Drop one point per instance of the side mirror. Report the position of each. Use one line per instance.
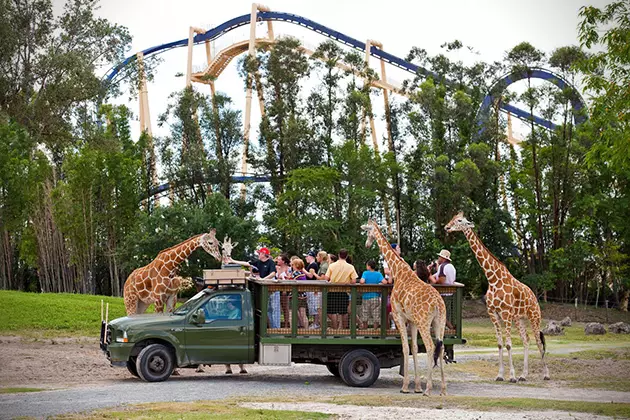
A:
(198, 317)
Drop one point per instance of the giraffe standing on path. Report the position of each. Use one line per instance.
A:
(415, 302)
(507, 300)
(157, 281)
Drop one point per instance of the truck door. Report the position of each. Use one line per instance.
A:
(224, 336)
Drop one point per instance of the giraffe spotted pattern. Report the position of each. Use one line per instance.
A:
(507, 301)
(418, 304)
(157, 282)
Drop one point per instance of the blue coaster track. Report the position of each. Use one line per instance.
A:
(576, 100)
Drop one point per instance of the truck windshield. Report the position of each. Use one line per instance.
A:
(189, 304)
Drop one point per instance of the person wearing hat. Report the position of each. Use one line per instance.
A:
(445, 275)
(266, 269)
(263, 266)
(446, 272)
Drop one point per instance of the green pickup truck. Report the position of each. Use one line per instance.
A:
(236, 320)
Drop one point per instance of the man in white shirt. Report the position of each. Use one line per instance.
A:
(445, 274)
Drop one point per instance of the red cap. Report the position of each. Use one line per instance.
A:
(264, 250)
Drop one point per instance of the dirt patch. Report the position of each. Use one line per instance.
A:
(60, 363)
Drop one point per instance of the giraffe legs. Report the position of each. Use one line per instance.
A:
(541, 347)
(141, 306)
(507, 321)
(131, 303)
(414, 353)
(425, 334)
(402, 328)
(497, 329)
(171, 300)
(439, 325)
(523, 331)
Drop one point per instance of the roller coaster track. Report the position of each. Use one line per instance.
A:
(222, 29)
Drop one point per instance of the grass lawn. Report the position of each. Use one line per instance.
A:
(54, 314)
(17, 390)
(479, 332)
(195, 410)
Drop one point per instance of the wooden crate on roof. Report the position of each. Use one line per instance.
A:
(225, 276)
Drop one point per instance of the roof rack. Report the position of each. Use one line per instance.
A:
(228, 276)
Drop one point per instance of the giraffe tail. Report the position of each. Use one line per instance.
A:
(437, 351)
(542, 340)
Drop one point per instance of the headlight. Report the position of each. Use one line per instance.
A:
(122, 339)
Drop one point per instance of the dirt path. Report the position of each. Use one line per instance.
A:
(80, 378)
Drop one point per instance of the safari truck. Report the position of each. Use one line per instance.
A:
(238, 319)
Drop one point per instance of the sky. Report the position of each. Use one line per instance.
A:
(491, 27)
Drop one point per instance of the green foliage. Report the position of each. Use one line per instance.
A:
(168, 226)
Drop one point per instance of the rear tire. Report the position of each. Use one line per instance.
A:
(359, 368)
(155, 363)
(333, 368)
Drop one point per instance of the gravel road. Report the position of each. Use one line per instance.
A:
(262, 381)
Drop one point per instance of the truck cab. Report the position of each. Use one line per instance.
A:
(212, 327)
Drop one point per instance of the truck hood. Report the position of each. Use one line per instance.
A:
(147, 321)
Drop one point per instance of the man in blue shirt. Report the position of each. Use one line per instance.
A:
(371, 307)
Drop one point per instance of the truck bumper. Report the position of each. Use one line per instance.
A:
(119, 352)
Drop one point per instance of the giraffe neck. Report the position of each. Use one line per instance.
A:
(396, 264)
(487, 261)
(178, 254)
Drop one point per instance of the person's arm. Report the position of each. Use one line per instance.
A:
(270, 275)
(327, 275)
(233, 261)
(441, 279)
(362, 281)
(432, 279)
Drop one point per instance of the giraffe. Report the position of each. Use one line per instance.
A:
(157, 281)
(415, 302)
(507, 300)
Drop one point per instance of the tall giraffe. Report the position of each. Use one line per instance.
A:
(415, 302)
(157, 282)
(507, 300)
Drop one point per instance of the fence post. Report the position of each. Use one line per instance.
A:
(576, 309)
(606, 311)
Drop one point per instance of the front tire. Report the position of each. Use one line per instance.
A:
(131, 367)
(155, 363)
(359, 368)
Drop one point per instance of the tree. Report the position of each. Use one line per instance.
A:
(607, 80)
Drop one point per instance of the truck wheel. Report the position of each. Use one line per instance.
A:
(131, 367)
(155, 363)
(333, 368)
(359, 368)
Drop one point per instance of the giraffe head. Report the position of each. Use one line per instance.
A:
(370, 227)
(210, 244)
(458, 223)
(228, 246)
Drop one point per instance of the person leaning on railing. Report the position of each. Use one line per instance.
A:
(339, 272)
